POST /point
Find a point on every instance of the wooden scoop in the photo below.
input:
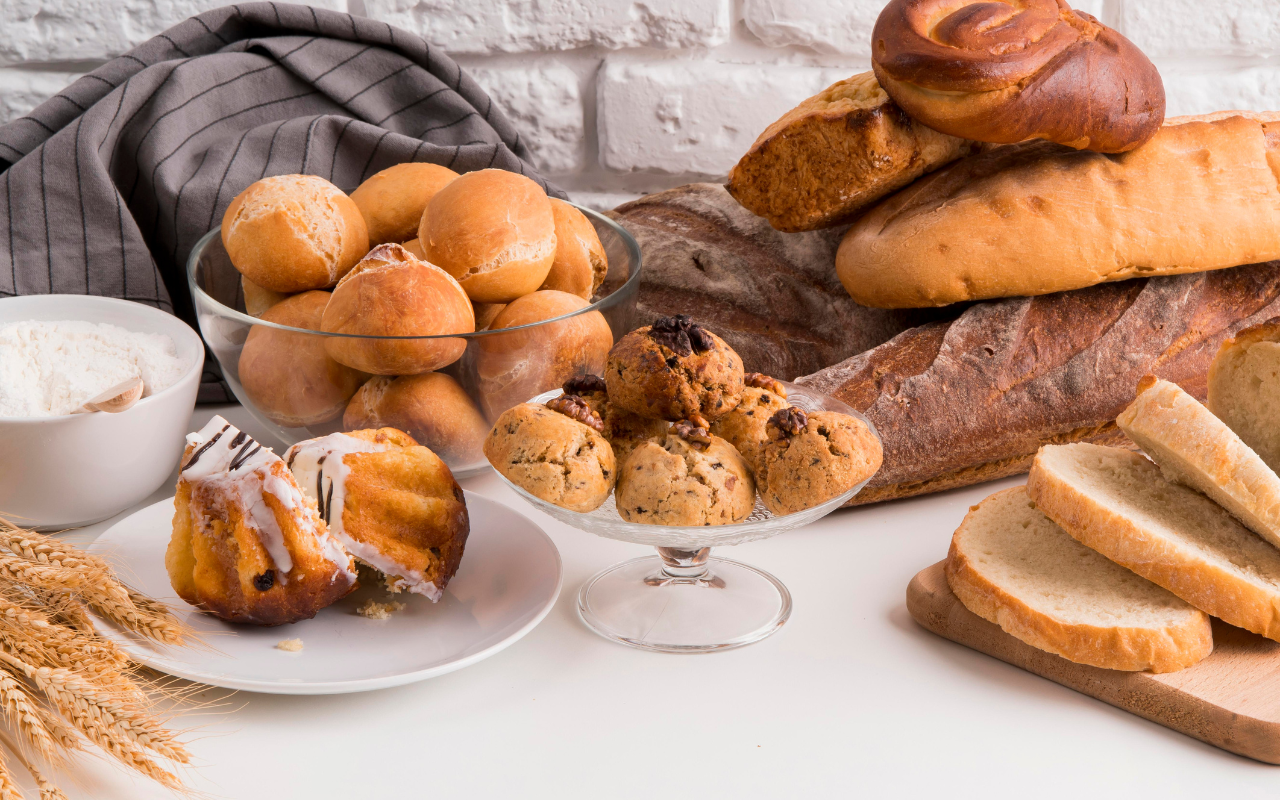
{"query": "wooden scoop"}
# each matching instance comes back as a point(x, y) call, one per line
point(118, 398)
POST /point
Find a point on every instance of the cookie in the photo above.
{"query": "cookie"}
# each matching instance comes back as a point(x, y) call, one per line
point(813, 457)
point(623, 430)
point(688, 478)
point(744, 426)
point(673, 369)
point(554, 452)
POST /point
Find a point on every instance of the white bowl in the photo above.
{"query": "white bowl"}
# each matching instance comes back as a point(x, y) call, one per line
point(60, 472)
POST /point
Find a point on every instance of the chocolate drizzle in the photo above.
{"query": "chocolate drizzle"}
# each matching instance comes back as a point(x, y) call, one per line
point(196, 455)
point(681, 335)
point(246, 452)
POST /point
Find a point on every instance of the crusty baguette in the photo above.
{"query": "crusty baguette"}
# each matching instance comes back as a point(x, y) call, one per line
point(1116, 502)
point(971, 400)
point(1036, 217)
point(1011, 565)
point(1244, 388)
point(1193, 447)
point(835, 154)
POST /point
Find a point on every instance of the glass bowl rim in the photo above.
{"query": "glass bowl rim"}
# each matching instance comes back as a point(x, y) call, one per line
point(611, 300)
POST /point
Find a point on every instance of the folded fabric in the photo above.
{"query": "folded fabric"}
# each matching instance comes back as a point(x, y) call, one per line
point(109, 184)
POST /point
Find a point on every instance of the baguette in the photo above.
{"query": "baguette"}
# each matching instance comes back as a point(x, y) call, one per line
point(834, 155)
point(1011, 565)
point(1193, 447)
point(1037, 217)
point(1116, 502)
point(1244, 388)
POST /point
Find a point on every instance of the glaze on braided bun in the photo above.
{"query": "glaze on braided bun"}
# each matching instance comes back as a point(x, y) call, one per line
point(1013, 70)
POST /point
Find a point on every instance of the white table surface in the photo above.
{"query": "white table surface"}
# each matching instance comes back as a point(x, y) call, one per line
point(850, 698)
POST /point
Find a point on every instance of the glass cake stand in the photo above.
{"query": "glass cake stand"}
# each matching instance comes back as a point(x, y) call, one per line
point(684, 600)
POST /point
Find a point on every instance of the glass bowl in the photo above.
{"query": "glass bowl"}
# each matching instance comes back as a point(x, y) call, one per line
point(684, 600)
point(297, 396)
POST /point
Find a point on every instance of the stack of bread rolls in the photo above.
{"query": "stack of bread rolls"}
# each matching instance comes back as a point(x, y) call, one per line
point(417, 250)
point(1012, 149)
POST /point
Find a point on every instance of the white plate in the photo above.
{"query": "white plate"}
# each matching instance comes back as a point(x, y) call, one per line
point(509, 579)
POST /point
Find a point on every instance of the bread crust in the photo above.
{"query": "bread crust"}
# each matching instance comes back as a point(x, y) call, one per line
point(580, 264)
point(835, 154)
point(1165, 649)
point(1159, 559)
point(1256, 433)
point(1201, 195)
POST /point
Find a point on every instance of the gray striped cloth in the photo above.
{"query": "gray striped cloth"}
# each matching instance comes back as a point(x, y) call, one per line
point(107, 186)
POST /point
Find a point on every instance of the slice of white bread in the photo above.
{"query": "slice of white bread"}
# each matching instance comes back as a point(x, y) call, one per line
point(1011, 565)
point(1244, 388)
point(1117, 502)
point(1195, 448)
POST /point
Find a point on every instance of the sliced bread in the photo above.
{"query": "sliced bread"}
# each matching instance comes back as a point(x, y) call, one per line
point(1193, 447)
point(1011, 565)
point(1117, 502)
point(1244, 388)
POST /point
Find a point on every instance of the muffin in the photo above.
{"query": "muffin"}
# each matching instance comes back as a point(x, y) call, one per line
point(813, 457)
point(689, 478)
point(623, 430)
point(745, 426)
point(554, 452)
point(672, 370)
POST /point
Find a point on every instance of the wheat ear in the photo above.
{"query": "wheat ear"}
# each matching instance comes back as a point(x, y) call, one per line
point(38, 730)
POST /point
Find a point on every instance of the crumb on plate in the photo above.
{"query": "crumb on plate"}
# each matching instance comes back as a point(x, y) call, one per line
point(290, 645)
point(372, 609)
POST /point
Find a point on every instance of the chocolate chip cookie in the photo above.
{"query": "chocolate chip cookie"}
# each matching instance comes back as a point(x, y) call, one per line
point(624, 430)
point(672, 369)
point(554, 452)
point(744, 426)
point(813, 457)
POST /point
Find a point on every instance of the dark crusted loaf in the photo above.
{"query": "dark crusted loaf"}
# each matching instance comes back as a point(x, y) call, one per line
point(971, 400)
point(774, 297)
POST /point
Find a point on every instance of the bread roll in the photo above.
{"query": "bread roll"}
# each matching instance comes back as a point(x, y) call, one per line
point(1004, 72)
point(257, 299)
point(415, 246)
point(292, 233)
point(510, 368)
point(1036, 218)
point(485, 314)
point(580, 263)
point(392, 201)
point(492, 230)
point(835, 154)
point(290, 376)
point(432, 408)
point(391, 293)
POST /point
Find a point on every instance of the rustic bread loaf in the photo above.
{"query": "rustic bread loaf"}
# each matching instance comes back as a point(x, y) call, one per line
point(971, 400)
point(1012, 565)
point(1193, 447)
point(772, 296)
point(1035, 218)
point(1244, 388)
point(835, 154)
point(1116, 502)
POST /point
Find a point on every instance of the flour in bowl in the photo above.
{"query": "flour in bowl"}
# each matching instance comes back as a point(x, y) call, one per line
point(49, 369)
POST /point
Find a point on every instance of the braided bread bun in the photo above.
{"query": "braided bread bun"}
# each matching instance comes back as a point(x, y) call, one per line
point(1004, 72)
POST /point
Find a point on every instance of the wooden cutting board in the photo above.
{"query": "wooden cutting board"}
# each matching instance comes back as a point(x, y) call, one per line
point(1230, 699)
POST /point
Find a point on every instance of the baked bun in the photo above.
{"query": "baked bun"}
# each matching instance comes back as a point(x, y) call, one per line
point(486, 313)
point(290, 376)
point(415, 246)
point(391, 293)
point(510, 368)
point(580, 263)
point(258, 299)
point(997, 72)
point(393, 200)
point(291, 233)
point(432, 408)
point(494, 231)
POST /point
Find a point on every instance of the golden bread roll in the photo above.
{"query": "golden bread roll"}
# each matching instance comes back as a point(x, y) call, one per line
point(510, 368)
point(485, 314)
point(1035, 218)
point(432, 408)
point(291, 233)
point(391, 293)
point(494, 231)
point(836, 154)
point(393, 200)
point(290, 376)
point(580, 263)
point(1001, 72)
point(415, 246)
point(258, 299)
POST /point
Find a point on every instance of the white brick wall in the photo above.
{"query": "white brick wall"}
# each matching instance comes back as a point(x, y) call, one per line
point(622, 97)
